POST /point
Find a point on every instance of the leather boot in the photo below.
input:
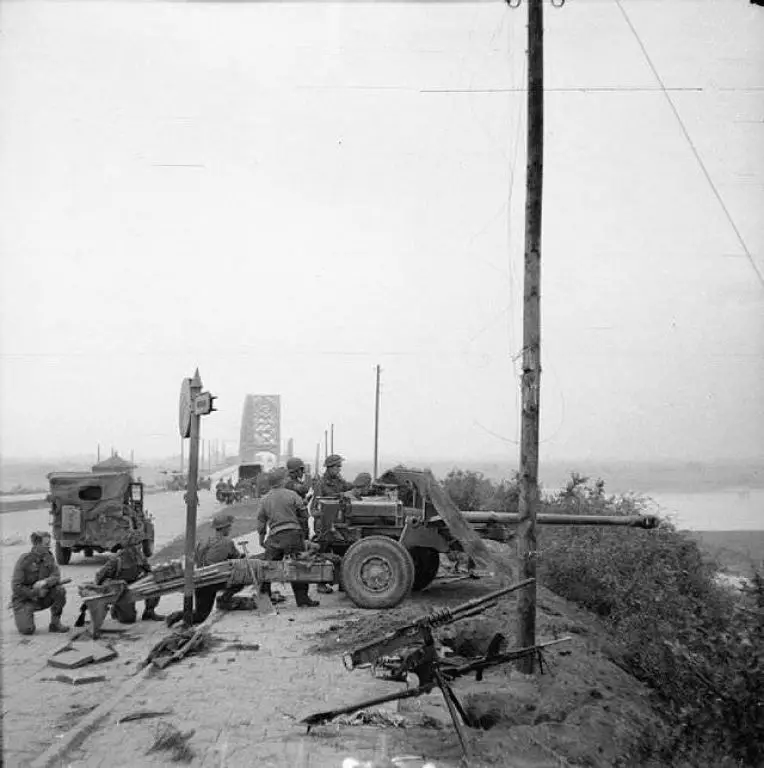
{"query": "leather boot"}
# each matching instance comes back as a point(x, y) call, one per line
point(325, 589)
point(56, 625)
point(151, 615)
point(301, 596)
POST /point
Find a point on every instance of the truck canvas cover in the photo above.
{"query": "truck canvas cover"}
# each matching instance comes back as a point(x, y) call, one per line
point(91, 505)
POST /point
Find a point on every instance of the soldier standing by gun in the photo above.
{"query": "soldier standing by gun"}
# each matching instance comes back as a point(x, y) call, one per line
point(129, 565)
point(362, 485)
point(296, 477)
point(330, 485)
point(282, 514)
point(36, 586)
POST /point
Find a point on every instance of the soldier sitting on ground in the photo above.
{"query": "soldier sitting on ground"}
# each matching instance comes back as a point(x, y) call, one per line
point(282, 514)
point(35, 587)
point(129, 565)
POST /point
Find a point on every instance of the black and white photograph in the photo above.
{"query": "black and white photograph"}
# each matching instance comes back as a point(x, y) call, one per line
point(382, 383)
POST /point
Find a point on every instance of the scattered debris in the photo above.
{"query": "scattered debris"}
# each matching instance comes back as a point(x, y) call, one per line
point(243, 647)
point(69, 657)
point(170, 739)
point(84, 679)
point(379, 717)
point(179, 644)
point(144, 714)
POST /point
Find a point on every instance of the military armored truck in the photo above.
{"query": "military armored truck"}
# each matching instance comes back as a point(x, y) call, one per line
point(92, 511)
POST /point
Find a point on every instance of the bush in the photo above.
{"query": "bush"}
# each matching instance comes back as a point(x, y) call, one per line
point(698, 644)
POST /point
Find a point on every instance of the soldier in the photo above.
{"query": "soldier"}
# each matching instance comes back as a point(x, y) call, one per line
point(296, 477)
point(330, 485)
point(362, 485)
point(129, 565)
point(35, 587)
point(215, 549)
point(282, 514)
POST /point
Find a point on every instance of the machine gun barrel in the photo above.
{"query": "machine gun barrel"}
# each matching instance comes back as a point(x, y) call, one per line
point(512, 518)
point(403, 636)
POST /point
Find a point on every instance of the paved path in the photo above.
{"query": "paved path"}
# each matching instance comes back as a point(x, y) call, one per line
point(36, 710)
point(244, 705)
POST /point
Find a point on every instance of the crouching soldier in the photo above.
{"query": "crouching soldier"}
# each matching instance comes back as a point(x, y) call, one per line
point(283, 516)
point(215, 549)
point(129, 565)
point(36, 586)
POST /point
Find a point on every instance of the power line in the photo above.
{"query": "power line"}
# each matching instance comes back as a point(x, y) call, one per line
point(691, 143)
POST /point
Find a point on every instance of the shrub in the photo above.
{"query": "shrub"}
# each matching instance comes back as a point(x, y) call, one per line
point(698, 644)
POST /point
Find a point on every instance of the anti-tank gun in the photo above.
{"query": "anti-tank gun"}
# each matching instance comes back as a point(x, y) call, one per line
point(390, 542)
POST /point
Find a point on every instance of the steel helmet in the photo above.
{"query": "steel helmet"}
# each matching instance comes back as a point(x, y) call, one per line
point(362, 480)
point(222, 520)
point(335, 460)
point(295, 464)
point(277, 477)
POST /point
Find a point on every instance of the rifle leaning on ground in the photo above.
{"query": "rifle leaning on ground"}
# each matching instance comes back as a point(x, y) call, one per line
point(411, 648)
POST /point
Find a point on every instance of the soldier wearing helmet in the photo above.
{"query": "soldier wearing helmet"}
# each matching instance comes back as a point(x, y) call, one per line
point(332, 484)
point(296, 477)
point(214, 549)
point(129, 565)
point(283, 517)
point(362, 485)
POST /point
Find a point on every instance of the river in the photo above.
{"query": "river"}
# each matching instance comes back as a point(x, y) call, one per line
point(734, 509)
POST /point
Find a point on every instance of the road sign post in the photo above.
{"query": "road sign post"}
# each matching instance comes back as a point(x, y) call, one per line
point(193, 405)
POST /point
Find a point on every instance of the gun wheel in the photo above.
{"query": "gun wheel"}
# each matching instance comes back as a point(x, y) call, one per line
point(426, 566)
point(377, 572)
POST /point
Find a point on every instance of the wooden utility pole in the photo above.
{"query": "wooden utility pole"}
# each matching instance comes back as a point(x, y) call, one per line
point(331, 437)
point(531, 378)
point(376, 425)
point(316, 470)
point(326, 442)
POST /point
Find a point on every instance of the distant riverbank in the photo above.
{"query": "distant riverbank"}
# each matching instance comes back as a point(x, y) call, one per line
point(732, 509)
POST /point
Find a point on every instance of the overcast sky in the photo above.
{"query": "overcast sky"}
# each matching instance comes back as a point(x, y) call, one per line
point(288, 194)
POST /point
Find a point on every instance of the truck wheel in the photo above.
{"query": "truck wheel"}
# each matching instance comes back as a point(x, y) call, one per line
point(377, 572)
point(88, 551)
point(148, 547)
point(426, 565)
point(63, 554)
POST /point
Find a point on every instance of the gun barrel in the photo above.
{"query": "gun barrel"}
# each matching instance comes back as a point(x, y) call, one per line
point(513, 518)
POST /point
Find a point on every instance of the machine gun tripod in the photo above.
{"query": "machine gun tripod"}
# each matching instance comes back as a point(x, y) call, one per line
point(412, 649)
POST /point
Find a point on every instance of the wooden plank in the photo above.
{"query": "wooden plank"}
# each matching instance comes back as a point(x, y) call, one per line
point(73, 659)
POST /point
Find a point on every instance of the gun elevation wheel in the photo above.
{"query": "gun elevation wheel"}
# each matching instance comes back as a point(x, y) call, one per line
point(63, 554)
point(426, 566)
point(377, 572)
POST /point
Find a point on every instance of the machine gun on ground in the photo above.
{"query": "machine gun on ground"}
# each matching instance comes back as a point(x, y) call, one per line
point(412, 649)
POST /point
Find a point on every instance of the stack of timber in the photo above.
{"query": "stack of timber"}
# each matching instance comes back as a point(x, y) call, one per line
point(247, 570)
